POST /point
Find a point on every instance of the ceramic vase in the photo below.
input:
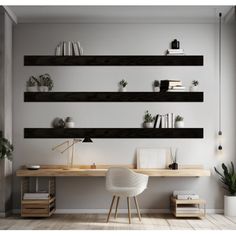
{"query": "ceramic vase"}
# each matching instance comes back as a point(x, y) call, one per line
point(230, 205)
point(43, 88)
point(179, 124)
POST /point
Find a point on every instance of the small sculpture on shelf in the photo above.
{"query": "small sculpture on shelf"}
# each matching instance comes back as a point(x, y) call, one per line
point(174, 164)
point(58, 123)
point(69, 123)
point(156, 86)
point(123, 83)
point(194, 86)
point(148, 120)
point(179, 122)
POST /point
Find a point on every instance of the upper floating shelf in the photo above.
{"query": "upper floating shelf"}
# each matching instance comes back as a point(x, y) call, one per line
point(113, 97)
point(193, 60)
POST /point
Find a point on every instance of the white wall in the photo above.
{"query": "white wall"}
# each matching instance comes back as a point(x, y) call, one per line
point(125, 39)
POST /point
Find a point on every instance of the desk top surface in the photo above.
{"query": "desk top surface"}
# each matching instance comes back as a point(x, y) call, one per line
point(57, 171)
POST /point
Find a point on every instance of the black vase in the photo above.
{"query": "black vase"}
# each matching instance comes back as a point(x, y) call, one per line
point(175, 166)
point(175, 44)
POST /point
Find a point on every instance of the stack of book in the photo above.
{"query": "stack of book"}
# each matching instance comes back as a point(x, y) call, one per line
point(185, 195)
point(187, 209)
point(68, 48)
point(175, 52)
point(36, 196)
point(175, 86)
point(164, 121)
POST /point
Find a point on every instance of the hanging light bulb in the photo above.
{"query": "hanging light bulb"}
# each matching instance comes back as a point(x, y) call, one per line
point(220, 148)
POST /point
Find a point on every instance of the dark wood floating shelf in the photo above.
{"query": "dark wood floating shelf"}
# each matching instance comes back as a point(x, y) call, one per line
point(113, 97)
point(113, 133)
point(116, 60)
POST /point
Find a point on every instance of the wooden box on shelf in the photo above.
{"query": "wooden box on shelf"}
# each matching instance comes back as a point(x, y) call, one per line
point(38, 207)
point(191, 208)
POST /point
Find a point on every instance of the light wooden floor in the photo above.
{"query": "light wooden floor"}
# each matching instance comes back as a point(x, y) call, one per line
point(98, 222)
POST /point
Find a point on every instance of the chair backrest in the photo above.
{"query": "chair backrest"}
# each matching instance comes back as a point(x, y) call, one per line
point(124, 177)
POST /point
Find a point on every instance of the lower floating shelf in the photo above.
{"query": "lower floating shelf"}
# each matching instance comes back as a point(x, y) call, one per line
point(113, 133)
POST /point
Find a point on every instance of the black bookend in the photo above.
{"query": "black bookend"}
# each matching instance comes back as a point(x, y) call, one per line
point(164, 85)
point(155, 123)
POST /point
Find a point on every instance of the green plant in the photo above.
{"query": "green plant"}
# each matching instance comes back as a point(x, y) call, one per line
point(6, 149)
point(195, 83)
point(228, 178)
point(156, 83)
point(45, 80)
point(148, 117)
point(123, 83)
point(179, 118)
point(32, 81)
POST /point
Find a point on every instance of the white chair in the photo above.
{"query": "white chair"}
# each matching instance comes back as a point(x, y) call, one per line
point(123, 182)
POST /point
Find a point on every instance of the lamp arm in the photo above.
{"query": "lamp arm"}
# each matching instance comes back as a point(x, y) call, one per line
point(74, 142)
point(54, 148)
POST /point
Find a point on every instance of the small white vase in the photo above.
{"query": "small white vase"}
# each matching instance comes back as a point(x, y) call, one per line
point(230, 205)
point(179, 124)
point(123, 89)
point(193, 88)
point(70, 124)
point(32, 89)
point(43, 88)
point(156, 89)
point(148, 125)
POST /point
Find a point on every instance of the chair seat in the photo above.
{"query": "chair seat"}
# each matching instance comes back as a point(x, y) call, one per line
point(125, 191)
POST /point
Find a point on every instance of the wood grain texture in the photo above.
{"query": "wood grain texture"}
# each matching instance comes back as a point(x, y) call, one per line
point(113, 97)
point(115, 60)
point(113, 133)
point(102, 172)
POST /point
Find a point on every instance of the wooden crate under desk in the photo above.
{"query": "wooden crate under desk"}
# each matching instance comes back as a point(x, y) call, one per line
point(38, 208)
point(199, 202)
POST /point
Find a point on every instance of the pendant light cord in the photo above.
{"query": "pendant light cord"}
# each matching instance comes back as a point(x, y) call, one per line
point(220, 132)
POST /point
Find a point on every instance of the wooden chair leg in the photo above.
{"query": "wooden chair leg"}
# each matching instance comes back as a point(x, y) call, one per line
point(137, 207)
point(117, 203)
point(129, 212)
point(112, 202)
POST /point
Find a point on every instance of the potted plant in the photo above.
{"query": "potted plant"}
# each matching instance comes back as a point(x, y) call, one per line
point(148, 120)
point(6, 149)
point(179, 122)
point(45, 83)
point(174, 164)
point(228, 178)
point(31, 84)
point(123, 83)
point(194, 85)
point(156, 86)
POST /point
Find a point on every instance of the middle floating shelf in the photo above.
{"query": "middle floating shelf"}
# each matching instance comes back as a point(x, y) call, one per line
point(133, 133)
point(113, 97)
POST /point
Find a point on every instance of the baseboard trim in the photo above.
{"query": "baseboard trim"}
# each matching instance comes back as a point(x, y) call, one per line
point(5, 214)
point(105, 211)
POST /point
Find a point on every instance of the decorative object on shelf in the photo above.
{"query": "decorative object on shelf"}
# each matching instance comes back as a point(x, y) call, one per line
point(123, 83)
point(58, 123)
point(69, 48)
point(174, 164)
point(156, 86)
point(69, 123)
point(194, 86)
point(228, 178)
point(179, 122)
point(164, 121)
point(220, 93)
point(148, 120)
point(32, 84)
point(45, 83)
point(33, 167)
point(175, 44)
point(171, 86)
point(6, 149)
point(93, 166)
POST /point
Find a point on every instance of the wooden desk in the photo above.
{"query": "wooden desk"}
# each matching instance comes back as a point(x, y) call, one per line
point(60, 171)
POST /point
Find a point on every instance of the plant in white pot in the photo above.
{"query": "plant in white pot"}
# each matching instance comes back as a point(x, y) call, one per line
point(31, 84)
point(123, 83)
point(194, 86)
point(6, 149)
point(148, 120)
point(45, 83)
point(228, 178)
point(156, 86)
point(179, 122)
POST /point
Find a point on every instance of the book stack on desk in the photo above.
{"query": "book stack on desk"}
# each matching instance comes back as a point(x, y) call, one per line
point(185, 195)
point(36, 196)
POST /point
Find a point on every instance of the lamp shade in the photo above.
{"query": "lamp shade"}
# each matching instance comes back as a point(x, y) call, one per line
point(87, 140)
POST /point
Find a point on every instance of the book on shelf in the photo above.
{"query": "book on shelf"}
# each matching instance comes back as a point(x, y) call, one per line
point(164, 121)
point(173, 83)
point(75, 49)
point(187, 197)
point(183, 192)
point(36, 196)
point(175, 52)
point(68, 48)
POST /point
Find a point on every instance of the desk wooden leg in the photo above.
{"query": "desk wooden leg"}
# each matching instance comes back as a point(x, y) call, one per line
point(112, 202)
point(137, 207)
point(117, 203)
point(129, 212)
